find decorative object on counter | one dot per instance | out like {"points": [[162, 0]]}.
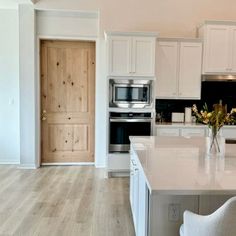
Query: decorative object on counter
{"points": [[177, 117], [215, 119], [187, 114]]}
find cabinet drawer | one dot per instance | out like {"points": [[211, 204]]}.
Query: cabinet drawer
{"points": [[229, 132], [197, 132], [118, 162], [167, 131]]}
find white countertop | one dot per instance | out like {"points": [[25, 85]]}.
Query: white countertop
{"points": [[179, 166], [186, 125]]}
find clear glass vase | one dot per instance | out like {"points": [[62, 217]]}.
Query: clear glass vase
{"points": [[215, 143]]}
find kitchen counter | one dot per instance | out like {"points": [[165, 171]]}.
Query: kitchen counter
{"points": [[187, 125], [179, 166]]}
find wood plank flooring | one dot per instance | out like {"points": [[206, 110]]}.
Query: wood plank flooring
{"points": [[57, 201]]}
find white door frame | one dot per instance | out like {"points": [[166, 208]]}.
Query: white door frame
{"points": [[38, 95]]}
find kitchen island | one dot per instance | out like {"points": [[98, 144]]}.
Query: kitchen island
{"points": [[173, 174]]}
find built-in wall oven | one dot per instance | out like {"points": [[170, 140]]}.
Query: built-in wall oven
{"points": [[130, 93], [125, 124]]}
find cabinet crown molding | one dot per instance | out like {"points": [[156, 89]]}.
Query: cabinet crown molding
{"points": [[197, 40], [217, 22], [126, 33]]}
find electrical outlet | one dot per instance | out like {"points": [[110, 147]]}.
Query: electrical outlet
{"points": [[174, 212]]}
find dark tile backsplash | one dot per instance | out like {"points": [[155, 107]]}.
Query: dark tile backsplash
{"points": [[211, 93]]}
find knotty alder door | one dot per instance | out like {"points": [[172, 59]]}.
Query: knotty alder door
{"points": [[67, 101]]}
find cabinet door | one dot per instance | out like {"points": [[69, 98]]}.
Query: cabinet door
{"points": [[233, 49], [119, 58], [167, 57], [142, 229], [190, 70], [217, 49], [193, 132], [167, 131], [143, 56], [135, 198], [229, 132]]}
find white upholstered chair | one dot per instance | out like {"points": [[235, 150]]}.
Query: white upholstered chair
{"points": [[220, 223]]}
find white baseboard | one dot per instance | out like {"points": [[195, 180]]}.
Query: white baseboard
{"points": [[100, 166], [68, 164], [27, 166], [7, 162]]}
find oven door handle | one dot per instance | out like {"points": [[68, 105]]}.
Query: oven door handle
{"points": [[131, 120]]}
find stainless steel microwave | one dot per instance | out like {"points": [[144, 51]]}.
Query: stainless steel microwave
{"points": [[130, 93]]}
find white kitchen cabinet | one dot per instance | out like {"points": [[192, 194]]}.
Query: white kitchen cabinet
{"points": [[181, 131], [178, 69], [138, 196], [163, 131], [229, 132], [167, 57], [190, 70], [119, 55], [193, 132], [142, 229], [143, 60], [118, 164], [219, 55], [131, 54], [134, 189], [233, 51]]}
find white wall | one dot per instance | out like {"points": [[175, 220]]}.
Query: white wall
{"points": [[169, 17], [9, 86], [67, 24], [28, 90]]}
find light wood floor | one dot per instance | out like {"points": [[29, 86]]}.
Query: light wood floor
{"points": [[55, 201]]}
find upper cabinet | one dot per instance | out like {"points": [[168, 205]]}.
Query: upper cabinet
{"points": [[219, 47], [131, 54], [178, 69]]}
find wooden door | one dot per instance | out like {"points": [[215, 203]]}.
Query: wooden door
{"points": [[67, 101]]}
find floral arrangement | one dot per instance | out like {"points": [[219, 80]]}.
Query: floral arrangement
{"points": [[215, 119]]}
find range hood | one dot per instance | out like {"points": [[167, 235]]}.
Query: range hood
{"points": [[220, 78]]}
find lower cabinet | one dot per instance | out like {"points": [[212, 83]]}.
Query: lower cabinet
{"points": [[138, 197], [179, 131], [194, 131], [118, 164], [167, 131], [229, 132]]}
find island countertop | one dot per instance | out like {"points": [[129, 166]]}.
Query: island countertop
{"points": [[179, 166]]}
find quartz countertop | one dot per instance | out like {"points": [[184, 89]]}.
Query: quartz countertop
{"points": [[180, 166], [187, 125]]}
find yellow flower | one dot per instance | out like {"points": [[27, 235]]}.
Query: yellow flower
{"points": [[233, 110], [209, 115]]}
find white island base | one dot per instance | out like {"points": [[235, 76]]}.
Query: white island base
{"points": [[172, 174]]}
